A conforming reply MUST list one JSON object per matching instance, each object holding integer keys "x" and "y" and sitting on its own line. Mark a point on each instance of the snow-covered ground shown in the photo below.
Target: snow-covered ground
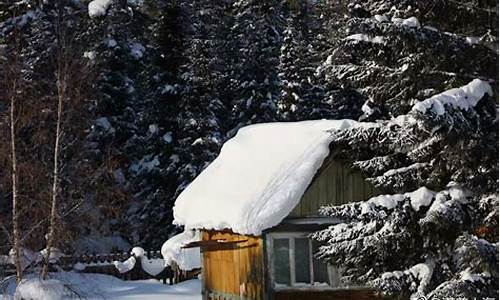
{"x": 98, "y": 286}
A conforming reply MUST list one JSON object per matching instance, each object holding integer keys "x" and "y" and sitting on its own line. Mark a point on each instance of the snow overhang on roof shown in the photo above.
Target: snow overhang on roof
{"x": 258, "y": 178}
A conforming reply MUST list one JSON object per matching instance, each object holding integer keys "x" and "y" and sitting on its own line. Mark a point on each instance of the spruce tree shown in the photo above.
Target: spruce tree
{"x": 255, "y": 32}
{"x": 291, "y": 98}
{"x": 434, "y": 234}
{"x": 301, "y": 94}
{"x": 395, "y": 53}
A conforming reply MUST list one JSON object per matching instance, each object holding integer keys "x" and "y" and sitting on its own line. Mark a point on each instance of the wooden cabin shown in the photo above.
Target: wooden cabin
{"x": 278, "y": 263}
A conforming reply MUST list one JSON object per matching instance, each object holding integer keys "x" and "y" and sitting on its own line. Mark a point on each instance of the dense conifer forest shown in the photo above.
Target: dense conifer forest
{"x": 153, "y": 88}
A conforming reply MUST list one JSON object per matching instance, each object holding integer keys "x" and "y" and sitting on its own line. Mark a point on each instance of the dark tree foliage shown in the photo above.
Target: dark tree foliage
{"x": 170, "y": 81}
{"x": 420, "y": 242}
{"x": 393, "y": 62}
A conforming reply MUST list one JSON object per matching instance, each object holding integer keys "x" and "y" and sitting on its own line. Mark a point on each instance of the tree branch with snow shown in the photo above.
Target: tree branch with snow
{"x": 414, "y": 241}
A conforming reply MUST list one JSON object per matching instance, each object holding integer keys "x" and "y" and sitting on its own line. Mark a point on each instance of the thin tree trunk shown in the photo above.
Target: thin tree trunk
{"x": 54, "y": 210}
{"x": 61, "y": 95}
{"x": 16, "y": 236}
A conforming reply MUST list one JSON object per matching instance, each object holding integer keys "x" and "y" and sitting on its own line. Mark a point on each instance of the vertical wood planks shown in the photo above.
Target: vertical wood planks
{"x": 234, "y": 270}
{"x": 336, "y": 184}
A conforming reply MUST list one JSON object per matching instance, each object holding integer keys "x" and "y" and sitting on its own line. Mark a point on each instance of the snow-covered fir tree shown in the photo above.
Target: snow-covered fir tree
{"x": 435, "y": 233}
{"x": 257, "y": 40}
{"x": 125, "y": 142}
{"x": 301, "y": 95}
{"x": 394, "y": 53}
{"x": 290, "y": 70}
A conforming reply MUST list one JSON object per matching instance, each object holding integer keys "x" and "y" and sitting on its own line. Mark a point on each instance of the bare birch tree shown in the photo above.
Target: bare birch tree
{"x": 61, "y": 77}
{"x": 13, "y": 77}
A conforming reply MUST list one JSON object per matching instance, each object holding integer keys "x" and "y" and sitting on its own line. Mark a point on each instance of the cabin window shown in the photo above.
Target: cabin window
{"x": 281, "y": 248}
{"x": 292, "y": 262}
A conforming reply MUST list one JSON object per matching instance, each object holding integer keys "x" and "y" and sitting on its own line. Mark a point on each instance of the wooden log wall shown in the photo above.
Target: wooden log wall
{"x": 235, "y": 270}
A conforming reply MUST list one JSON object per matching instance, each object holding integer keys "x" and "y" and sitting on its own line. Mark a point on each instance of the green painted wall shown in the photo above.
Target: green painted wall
{"x": 335, "y": 184}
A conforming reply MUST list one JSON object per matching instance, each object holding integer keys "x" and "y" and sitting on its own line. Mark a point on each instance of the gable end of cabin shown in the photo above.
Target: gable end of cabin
{"x": 280, "y": 263}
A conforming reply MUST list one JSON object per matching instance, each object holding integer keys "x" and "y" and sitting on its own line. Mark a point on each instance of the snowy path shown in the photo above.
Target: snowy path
{"x": 135, "y": 290}
{"x": 104, "y": 287}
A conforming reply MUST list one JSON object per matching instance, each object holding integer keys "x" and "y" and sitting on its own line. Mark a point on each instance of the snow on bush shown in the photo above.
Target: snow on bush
{"x": 137, "y": 50}
{"x": 151, "y": 266}
{"x": 419, "y": 275}
{"x": 359, "y": 37}
{"x": 146, "y": 164}
{"x": 98, "y": 8}
{"x": 104, "y": 124}
{"x": 411, "y": 22}
{"x": 91, "y": 55}
{"x": 418, "y": 198}
{"x": 55, "y": 254}
{"x": 380, "y": 18}
{"x": 137, "y": 252}
{"x": 124, "y": 267}
{"x": 36, "y": 289}
{"x": 27, "y": 257}
{"x": 384, "y": 233}
{"x": 477, "y": 266}
{"x": 186, "y": 259}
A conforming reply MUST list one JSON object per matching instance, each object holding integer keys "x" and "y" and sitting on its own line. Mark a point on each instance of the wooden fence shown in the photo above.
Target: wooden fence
{"x": 104, "y": 264}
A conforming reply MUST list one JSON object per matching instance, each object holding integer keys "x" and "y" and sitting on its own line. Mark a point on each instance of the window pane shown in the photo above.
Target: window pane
{"x": 302, "y": 256}
{"x": 320, "y": 268}
{"x": 320, "y": 272}
{"x": 281, "y": 248}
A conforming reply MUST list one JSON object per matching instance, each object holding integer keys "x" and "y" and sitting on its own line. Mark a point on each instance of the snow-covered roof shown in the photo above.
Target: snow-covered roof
{"x": 258, "y": 178}
{"x": 187, "y": 259}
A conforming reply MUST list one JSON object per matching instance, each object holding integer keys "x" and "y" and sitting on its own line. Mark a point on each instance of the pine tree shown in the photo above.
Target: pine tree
{"x": 395, "y": 53}
{"x": 131, "y": 137}
{"x": 416, "y": 241}
{"x": 255, "y": 70}
{"x": 300, "y": 95}
{"x": 155, "y": 185}
{"x": 200, "y": 121}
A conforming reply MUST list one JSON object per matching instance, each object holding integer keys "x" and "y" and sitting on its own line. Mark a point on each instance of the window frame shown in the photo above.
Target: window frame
{"x": 291, "y": 236}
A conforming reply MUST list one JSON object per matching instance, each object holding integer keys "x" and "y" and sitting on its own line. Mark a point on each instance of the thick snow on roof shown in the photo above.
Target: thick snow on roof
{"x": 259, "y": 176}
